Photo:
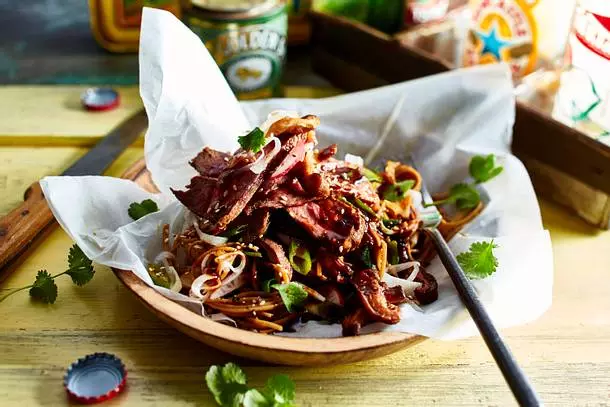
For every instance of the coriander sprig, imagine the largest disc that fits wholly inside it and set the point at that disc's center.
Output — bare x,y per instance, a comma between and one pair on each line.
44,289
253,141
228,386
466,196
479,261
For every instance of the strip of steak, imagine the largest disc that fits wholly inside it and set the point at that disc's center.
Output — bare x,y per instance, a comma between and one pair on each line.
276,255
337,223
210,163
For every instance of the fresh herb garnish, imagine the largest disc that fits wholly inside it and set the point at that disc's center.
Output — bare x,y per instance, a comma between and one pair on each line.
267,285
397,192
364,207
299,257
253,254
464,196
479,261
391,222
228,385
253,141
138,210
483,168
371,175
234,231
44,289
365,256
293,294
159,276
393,252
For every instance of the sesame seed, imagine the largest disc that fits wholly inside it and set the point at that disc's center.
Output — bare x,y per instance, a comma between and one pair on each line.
234,187
253,313
224,194
263,302
341,249
226,159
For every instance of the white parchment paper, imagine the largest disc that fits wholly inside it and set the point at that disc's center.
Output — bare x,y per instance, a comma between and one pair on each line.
442,120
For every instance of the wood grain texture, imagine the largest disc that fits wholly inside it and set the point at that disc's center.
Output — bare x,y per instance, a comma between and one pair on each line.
21,226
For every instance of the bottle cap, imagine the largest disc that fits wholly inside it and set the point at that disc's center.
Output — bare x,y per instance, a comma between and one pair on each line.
95,378
99,99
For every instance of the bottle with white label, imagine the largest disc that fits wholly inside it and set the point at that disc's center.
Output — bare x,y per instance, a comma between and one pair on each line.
583,100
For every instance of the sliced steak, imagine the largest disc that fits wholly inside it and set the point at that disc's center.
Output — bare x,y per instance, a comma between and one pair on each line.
210,163
198,194
337,223
275,254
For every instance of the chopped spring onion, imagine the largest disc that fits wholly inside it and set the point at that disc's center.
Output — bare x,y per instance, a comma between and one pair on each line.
299,257
210,239
165,276
253,254
397,191
393,252
267,285
364,207
371,175
235,231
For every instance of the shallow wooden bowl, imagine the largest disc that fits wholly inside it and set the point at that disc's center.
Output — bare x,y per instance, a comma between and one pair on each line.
267,348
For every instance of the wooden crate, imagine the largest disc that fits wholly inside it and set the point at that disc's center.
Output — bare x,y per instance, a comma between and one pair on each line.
565,165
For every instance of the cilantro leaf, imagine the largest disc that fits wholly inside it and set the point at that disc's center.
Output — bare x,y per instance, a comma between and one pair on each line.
465,196
227,384
293,294
253,141
138,210
254,398
365,256
280,389
479,261
267,285
278,392
397,191
80,268
371,175
483,168
299,257
44,288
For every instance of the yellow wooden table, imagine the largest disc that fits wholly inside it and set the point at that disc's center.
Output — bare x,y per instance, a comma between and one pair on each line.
566,353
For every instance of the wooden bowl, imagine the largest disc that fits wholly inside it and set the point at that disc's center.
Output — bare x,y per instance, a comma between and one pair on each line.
267,348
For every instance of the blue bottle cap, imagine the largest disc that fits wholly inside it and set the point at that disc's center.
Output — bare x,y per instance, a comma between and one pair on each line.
99,99
95,378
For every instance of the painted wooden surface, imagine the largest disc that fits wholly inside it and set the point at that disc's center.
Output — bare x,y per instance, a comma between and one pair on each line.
565,352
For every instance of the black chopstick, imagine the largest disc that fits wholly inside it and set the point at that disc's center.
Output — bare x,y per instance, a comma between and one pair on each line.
514,376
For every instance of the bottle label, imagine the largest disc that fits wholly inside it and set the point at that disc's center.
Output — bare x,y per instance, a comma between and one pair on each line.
503,31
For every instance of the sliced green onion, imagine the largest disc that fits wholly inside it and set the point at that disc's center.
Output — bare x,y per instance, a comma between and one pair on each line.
235,231
397,191
371,175
393,252
253,254
159,276
299,257
364,207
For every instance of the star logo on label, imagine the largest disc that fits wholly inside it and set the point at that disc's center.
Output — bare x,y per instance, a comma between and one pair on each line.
492,43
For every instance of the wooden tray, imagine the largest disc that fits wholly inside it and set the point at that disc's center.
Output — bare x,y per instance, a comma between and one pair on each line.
566,166
267,348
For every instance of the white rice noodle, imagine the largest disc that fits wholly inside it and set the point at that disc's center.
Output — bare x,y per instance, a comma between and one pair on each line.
210,239
407,286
